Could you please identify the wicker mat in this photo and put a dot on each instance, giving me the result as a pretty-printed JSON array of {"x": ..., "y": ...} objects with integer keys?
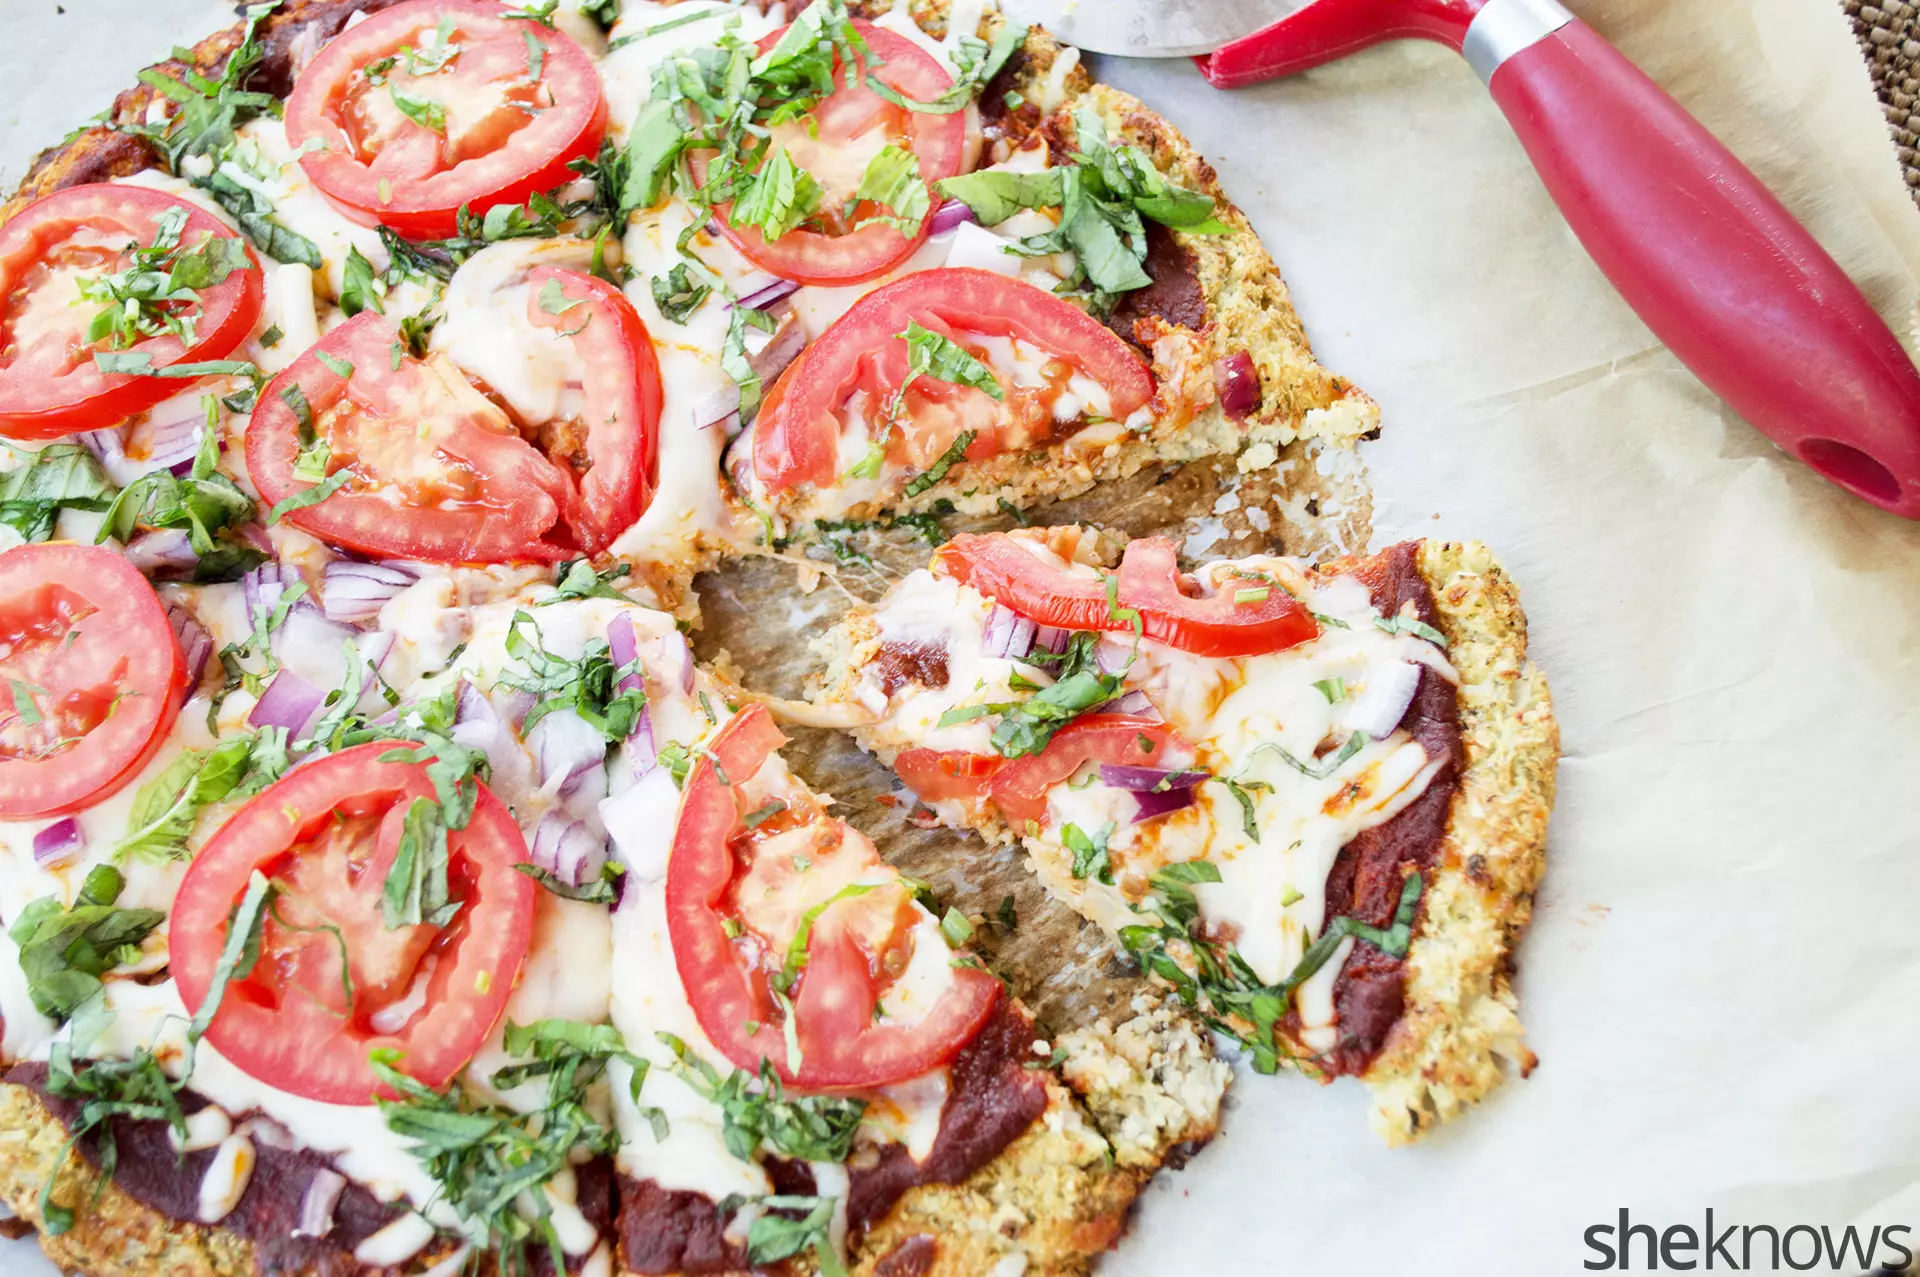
[{"x": 1889, "y": 31}]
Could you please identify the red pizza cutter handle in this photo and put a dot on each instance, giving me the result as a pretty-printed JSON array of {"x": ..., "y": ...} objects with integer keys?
[{"x": 1715, "y": 265}]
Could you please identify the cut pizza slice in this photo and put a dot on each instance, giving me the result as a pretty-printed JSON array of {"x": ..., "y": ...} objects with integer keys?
[
  {"x": 521, "y": 941},
  {"x": 1312, "y": 799}
]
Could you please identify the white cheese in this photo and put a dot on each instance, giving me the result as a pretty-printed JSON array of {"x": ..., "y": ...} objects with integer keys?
[
  {"x": 488, "y": 334},
  {"x": 226, "y": 1178}
]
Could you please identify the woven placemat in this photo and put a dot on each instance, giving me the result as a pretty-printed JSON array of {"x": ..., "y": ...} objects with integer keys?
[{"x": 1889, "y": 31}]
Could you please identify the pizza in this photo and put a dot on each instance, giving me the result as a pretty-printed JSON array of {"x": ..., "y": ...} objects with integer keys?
[
  {"x": 425, "y": 422},
  {"x": 1312, "y": 799}
]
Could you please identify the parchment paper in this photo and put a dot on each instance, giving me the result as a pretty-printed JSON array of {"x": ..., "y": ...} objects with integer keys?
[{"x": 1721, "y": 977}]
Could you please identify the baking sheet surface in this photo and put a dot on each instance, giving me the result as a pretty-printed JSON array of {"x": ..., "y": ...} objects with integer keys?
[{"x": 1721, "y": 975}]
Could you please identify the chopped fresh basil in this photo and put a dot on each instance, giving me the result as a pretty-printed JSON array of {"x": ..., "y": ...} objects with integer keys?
[
  {"x": 65, "y": 950},
  {"x": 1411, "y": 625},
  {"x": 166, "y": 808},
  {"x": 1090, "y": 856},
  {"x": 955, "y": 453},
  {"x": 955, "y": 927},
  {"x": 578, "y": 580},
  {"x": 677, "y": 294},
  {"x": 61, "y": 476},
  {"x": 588, "y": 685},
  {"x": 777, "y": 198},
  {"x": 892, "y": 180},
  {"x": 359, "y": 290}
]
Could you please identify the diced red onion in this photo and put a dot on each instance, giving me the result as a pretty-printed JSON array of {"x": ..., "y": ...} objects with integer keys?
[
  {"x": 478, "y": 725},
  {"x": 568, "y": 747},
  {"x": 567, "y": 849},
  {"x": 1143, "y": 779},
  {"x": 766, "y": 294},
  {"x": 1135, "y": 702},
  {"x": 355, "y": 592},
  {"x": 1111, "y": 657},
  {"x": 677, "y": 642},
  {"x": 514, "y": 704},
  {"x": 1378, "y": 709},
  {"x": 161, "y": 445},
  {"x": 624, "y": 649},
  {"x": 196, "y": 645},
  {"x": 162, "y": 552},
  {"x": 289, "y": 701},
  {"x": 1238, "y": 384},
  {"x": 720, "y": 407},
  {"x": 1050, "y": 637},
  {"x": 642, "y": 755},
  {"x": 58, "y": 841},
  {"x": 788, "y": 340},
  {"x": 1008, "y": 634},
  {"x": 1150, "y": 804},
  {"x": 949, "y": 215},
  {"x": 316, "y": 1207},
  {"x": 262, "y": 587}
]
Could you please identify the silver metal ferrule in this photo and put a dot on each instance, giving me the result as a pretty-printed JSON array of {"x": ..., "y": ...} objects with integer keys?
[{"x": 1505, "y": 27}]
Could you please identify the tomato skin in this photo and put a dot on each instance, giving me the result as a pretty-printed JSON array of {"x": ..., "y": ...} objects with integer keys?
[
  {"x": 1149, "y": 583},
  {"x": 526, "y": 494},
  {"x": 623, "y": 401},
  {"x": 295, "y": 1042},
  {"x": 796, "y": 439},
  {"x": 1019, "y": 789},
  {"x": 937, "y": 775},
  {"x": 425, "y": 206},
  {"x": 938, "y": 143},
  {"x": 841, "y": 1047},
  {"x": 1214, "y": 626},
  {"x": 124, "y": 644},
  {"x": 1001, "y": 568},
  {"x": 44, "y": 394}
]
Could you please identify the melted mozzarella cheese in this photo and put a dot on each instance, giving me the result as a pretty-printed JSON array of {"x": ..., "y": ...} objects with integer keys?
[{"x": 489, "y": 336}]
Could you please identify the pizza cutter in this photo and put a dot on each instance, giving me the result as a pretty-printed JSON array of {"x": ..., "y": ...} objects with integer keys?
[{"x": 1713, "y": 263}]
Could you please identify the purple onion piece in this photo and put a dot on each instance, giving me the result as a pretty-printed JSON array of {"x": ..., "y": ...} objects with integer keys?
[
  {"x": 289, "y": 701},
  {"x": 1144, "y": 779},
  {"x": 642, "y": 756},
  {"x": 624, "y": 649},
  {"x": 948, "y": 216},
  {"x": 1378, "y": 709},
  {"x": 162, "y": 552},
  {"x": 788, "y": 340},
  {"x": 999, "y": 629},
  {"x": 515, "y": 704},
  {"x": 306, "y": 641},
  {"x": 59, "y": 841},
  {"x": 355, "y": 592},
  {"x": 717, "y": 408},
  {"x": 196, "y": 645},
  {"x": 1150, "y": 804},
  {"x": 316, "y": 1207},
  {"x": 568, "y": 747},
  {"x": 261, "y": 587},
  {"x": 1050, "y": 637},
  {"x": 567, "y": 849},
  {"x": 767, "y": 294},
  {"x": 1135, "y": 702},
  {"x": 677, "y": 642},
  {"x": 1238, "y": 384}
]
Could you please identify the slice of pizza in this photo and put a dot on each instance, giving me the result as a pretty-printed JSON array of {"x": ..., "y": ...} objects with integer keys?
[
  {"x": 482, "y": 926},
  {"x": 1312, "y": 799}
]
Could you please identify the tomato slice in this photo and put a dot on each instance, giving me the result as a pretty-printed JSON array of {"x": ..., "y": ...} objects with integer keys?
[
  {"x": 1020, "y": 788},
  {"x": 797, "y": 436},
  {"x": 327, "y": 833},
  {"x": 727, "y": 976},
  {"x": 1247, "y": 615},
  {"x": 438, "y": 470},
  {"x": 621, "y": 379},
  {"x": 94, "y": 674},
  {"x": 49, "y": 383},
  {"x": 403, "y": 132},
  {"x": 936, "y": 775},
  {"x": 1007, "y": 571},
  {"x": 855, "y": 119}
]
